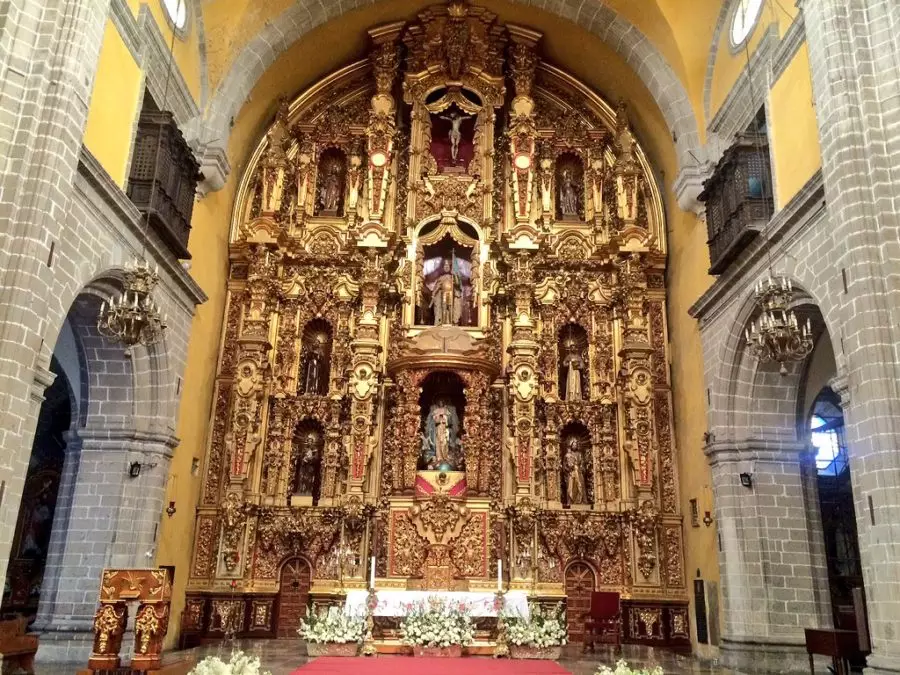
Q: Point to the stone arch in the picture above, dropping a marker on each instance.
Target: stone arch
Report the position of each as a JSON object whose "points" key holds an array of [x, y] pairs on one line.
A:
{"points": [[740, 382], [281, 32], [126, 415]]}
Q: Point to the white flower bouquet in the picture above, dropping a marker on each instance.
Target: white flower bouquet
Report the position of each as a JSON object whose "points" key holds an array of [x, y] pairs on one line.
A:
{"points": [[436, 623], [240, 664], [543, 629], [332, 625], [622, 668]]}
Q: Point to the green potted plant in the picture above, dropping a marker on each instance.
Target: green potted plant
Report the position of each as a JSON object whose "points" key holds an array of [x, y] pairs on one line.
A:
{"points": [[540, 636], [437, 628], [330, 632]]}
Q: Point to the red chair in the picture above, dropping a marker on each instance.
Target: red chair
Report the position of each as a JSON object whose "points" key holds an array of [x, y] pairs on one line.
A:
{"points": [[604, 619]]}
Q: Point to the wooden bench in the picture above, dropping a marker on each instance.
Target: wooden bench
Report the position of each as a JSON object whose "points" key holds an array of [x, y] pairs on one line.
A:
{"points": [[17, 649]]}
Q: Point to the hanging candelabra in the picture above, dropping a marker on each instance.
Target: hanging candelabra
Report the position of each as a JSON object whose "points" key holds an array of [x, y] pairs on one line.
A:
{"points": [[776, 335], [133, 317]]}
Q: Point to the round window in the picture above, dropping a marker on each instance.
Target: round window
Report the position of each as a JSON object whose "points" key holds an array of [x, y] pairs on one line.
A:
{"points": [[176, 10], [746, 14]]}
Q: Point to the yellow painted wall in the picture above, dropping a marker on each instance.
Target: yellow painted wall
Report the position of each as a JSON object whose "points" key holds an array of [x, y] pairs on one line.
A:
{"points": [[209, 248], [115, 101], [728, 65], [186, 50], [793, 131], [687, 280], [336, 44]]}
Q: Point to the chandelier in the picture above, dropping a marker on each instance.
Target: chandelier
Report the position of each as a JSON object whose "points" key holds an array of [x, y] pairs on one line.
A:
{"points": [[134, 317], [776, 335]]}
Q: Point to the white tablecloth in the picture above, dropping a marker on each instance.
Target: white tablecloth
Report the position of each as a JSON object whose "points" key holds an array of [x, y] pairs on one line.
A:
{"points": [[395, 603]]}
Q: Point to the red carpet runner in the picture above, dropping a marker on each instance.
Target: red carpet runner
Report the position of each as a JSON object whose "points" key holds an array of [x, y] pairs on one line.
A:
{"points": [[408, 665]]}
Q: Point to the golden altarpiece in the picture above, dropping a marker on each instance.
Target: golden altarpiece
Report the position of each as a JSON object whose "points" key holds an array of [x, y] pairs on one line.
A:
{"points": [[444, 345]]}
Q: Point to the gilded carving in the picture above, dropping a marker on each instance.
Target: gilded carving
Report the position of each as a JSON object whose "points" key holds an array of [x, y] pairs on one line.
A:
{"points": [[540, 215]]}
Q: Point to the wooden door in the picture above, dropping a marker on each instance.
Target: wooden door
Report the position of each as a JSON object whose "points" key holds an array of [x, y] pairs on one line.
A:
{"points": [[293, 596], [579, 586]]}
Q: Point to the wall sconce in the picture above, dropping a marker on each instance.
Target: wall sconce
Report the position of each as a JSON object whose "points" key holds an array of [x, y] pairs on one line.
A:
{"points": [[747, 480], [707, 519], [378, 158], [522, 161], [134, 470], [170, 509]]}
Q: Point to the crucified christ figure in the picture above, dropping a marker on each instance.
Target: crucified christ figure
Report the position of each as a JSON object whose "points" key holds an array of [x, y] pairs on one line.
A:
{"points": [[456, 121]]}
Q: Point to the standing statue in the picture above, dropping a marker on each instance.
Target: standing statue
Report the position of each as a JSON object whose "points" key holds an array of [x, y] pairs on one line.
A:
{"points": [[574, 472], [456, 121], [308, 464], [313, 375], [440, 440], [446, 297], [330, 192], [568, 195], [573, 364]]}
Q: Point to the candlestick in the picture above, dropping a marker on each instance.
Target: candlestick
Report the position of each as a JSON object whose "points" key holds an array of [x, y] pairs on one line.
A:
{"points": [[372, 574]]}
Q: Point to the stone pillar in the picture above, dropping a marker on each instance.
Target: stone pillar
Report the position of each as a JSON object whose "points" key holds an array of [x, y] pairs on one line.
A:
{"points": [[48, 55], [771, 573], [104, 518], [853, 47]]}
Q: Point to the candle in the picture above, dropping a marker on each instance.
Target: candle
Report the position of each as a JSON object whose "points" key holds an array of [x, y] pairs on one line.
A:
{"points": [[372, 574], [499, 575]]}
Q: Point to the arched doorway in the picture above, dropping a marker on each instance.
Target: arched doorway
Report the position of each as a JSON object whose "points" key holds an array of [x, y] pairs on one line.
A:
{"points": [[293, 596], [580, 583], [28, 559], [845, 581]]}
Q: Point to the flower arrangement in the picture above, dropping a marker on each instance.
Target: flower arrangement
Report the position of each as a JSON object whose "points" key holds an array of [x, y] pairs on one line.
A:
{"points": [[240, 664], [436, 623], [544, 627], [622, 668], [332, 625]]}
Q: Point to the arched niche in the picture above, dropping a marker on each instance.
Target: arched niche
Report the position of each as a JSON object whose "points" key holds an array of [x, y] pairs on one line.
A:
{"points": [[569, 187], [447, 273], [573, 373], [331, 184], [442, 406], [308, 444], [577, 486], [453, 117], [315, 357]]}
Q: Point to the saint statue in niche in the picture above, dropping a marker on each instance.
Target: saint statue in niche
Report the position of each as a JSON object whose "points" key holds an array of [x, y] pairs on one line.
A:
{"points": [[331, 184], [568, 195], [455, 133], [308, 462], [573, 468], [314, 368], [573, 365], [440, 440], [447, 296]]}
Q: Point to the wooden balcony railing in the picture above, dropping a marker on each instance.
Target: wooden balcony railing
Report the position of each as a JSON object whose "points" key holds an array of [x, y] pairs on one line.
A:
{"points": [[168, 196], [738, 198]]}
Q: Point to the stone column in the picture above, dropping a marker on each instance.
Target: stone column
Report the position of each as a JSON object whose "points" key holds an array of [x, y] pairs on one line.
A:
{"points": [[48, 55], [104, 518], [771, 573], [853, 47]]}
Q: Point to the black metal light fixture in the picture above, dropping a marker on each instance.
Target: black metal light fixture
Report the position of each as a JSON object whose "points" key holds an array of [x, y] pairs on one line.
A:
{"points": [[134, 470], [747, 480]]}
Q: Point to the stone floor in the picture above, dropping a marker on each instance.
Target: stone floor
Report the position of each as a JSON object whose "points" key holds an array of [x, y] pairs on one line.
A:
{"points": [[281, 657]]}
